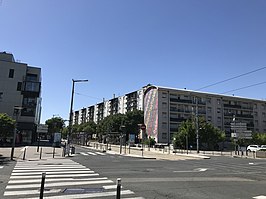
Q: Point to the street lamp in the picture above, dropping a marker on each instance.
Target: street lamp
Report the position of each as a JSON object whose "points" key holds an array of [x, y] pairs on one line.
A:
{"points": [[71, 110], [16, 113]]}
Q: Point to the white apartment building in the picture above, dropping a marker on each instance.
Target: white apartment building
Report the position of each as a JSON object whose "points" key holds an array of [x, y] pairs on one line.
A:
{"points": [[20, 86], [166, 108]]}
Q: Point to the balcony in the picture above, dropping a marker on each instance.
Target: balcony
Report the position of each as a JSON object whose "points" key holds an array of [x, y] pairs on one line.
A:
{"points": [[181, 100], [232, 106], [32, 88]]}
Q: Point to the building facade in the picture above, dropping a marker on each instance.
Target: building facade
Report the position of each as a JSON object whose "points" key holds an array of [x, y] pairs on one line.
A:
{"points": [[166, 108], [20, 86]]}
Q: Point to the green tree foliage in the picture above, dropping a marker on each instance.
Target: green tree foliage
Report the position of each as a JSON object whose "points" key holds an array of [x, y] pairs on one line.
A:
{"points": [[55, 124], [133, 118], [259, 138], [209, 136], [7, 125]]}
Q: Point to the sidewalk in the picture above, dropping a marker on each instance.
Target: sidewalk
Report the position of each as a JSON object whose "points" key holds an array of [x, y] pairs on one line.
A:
{"points": [[30, 153], [151, 153]]}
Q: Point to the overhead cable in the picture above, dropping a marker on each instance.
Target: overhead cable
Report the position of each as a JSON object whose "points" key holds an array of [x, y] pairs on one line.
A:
{"points": [[244, 87], [226, 80]]}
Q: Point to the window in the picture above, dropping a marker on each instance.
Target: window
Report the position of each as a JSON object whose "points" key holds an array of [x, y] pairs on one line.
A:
{"points": [[164, 125], [164, 135], [11, 73], [164, 95], [1, 96], [164, 115], [31, 77], [19, 86], [164, 105]]}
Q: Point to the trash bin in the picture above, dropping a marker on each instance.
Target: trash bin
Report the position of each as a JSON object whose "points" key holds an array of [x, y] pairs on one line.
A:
{"points": [[72, 150]]}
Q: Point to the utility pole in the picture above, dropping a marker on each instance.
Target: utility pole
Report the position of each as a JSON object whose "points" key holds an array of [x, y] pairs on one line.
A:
{"points": [[71, 113], [197, 125]]}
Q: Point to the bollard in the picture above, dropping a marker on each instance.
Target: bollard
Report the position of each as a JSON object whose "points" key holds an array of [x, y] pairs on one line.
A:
{"points": [[64, 152], [41, 153], [42, 184], [118, 188], [24, 155], [53, 151]]}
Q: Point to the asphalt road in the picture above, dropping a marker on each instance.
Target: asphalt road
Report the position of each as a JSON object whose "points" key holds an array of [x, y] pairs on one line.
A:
{"points": [[6, 167], [219, 177]]}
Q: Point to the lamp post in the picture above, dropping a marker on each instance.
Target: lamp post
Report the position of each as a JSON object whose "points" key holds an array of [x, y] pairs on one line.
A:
{"points": [[71, 111], [16, 113]]}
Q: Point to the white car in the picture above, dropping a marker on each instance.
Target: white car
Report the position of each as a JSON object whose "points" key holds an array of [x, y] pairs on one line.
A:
{"points": [[262, 147], [253, 148]]}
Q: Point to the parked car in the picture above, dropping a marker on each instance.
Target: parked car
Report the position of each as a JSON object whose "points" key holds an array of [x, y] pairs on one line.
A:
{"points": [[253, 148], [263, 147]]}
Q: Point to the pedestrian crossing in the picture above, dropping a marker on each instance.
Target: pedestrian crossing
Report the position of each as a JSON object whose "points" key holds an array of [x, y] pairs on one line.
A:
{"points": [[64, 179], [92, 153]]}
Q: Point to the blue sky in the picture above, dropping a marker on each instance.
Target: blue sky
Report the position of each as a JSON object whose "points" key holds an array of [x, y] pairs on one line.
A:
{"points": [[122, 45]]}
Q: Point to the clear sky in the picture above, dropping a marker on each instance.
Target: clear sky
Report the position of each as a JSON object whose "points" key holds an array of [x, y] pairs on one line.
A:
{"points": [[122, 45]]}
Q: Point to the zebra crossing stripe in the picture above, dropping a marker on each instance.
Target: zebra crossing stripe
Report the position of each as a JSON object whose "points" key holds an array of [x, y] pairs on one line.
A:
{"points": [[57, 184], [55, 176], [99, 153], [86, 195], [49, 172], [54, 180], [91, 153], [82, 153], [29, 192]]}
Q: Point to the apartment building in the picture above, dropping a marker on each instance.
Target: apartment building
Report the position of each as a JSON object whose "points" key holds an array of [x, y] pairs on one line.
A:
{"points": [[20, 91], [121, 104], [166, 108]]}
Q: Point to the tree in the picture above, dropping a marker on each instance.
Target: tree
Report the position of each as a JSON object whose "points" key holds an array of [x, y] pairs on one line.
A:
{"points": [[89, 128], [7, 125], [186, 135], [209, 136], [55, 124], [133, 118], [259, 138]]}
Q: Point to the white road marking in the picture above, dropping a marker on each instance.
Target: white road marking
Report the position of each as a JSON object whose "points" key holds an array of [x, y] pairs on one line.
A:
{"points": [[82, 153], [54, 180], [56, 184], [260, 197], [49, 173], [191, 171], [87, 195], [91, 153], [55, 176], [50, 170], [29, 192], [100, 153]]}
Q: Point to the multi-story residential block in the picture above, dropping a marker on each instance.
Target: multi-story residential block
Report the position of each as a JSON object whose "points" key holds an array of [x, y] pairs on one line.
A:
{"points": [[20, 86], [166, 108]]}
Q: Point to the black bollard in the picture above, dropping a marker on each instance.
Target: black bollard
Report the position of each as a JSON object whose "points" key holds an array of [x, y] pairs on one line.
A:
{"points": [[42, 185], [118, 189], [24, 155], [41, 153], [53, 151]]}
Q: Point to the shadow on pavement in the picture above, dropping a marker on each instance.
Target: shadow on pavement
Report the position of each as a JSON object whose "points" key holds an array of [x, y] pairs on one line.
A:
{"points": [[4, 160]]}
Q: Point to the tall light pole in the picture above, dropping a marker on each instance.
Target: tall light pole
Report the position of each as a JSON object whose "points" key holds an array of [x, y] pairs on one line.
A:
{"points": [[71, 110], [16, 113]]}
